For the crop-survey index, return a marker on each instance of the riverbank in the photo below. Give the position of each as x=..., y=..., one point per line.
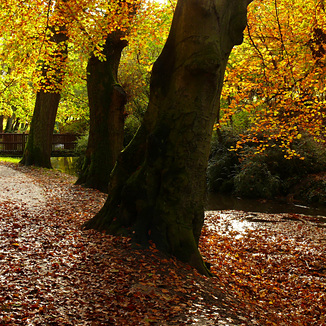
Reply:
x=269, y=268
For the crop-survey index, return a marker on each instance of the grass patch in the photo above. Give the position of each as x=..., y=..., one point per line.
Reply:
x=15, y=160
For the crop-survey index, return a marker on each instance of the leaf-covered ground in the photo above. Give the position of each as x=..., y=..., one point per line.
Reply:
x=270, y=269
x=275, y=264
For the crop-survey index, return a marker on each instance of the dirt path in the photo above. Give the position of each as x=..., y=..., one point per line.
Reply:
x=19, y=188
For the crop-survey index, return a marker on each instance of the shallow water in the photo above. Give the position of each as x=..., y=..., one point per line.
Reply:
x=218, y=202
x=64, y=164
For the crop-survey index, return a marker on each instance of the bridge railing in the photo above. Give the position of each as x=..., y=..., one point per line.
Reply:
x=14, y=144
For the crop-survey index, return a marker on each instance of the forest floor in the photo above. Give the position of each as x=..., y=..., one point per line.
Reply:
x=269, y=269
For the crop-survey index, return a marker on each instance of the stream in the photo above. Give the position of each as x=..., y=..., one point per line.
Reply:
x=218, y=202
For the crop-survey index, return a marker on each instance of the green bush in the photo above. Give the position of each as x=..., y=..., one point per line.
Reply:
x=223, y=165
x=267, y=174
x=132, y=124
x=312, y=189
x=256, y=181
x=314, y=154
x=80, y=151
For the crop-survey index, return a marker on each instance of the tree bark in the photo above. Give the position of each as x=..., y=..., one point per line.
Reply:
x=106, y=103
x=158, y=188
x=10, y=121
x=39, y=143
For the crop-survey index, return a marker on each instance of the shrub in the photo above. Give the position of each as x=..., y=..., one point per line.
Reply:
x=223, y=164
x=80, y=151
x=312, y=189
x=132, y=124
x=256, y=181
x=267, y=174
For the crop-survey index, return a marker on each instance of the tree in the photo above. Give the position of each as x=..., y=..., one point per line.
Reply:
x=39, y=144
x=24, y=45
x=277, y=78
x=106, y=101
x=158, y=187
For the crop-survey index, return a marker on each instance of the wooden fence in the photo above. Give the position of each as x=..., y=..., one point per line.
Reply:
x=14, y=144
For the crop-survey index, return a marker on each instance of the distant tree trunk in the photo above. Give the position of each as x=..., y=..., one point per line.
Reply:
x=10, y=121
x=16, y=125
x=106, y=102
x=39, y=143
x=1, y=123
x=158, y=188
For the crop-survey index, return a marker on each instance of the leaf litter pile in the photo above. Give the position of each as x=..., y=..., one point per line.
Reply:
x=268, y=269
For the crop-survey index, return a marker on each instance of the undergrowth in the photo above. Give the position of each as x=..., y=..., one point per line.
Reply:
x=268, y=174
x=15, y=160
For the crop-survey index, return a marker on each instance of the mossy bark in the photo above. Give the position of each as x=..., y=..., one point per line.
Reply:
x=158, y=187
x=39, y=143
x=106, y=102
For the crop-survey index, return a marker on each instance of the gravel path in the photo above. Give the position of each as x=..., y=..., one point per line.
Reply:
x=17, y=187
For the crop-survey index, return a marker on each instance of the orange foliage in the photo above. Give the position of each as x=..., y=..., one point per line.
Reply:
x=27, y=32
x=277, y=77
x=146, y=41
x=26, y=37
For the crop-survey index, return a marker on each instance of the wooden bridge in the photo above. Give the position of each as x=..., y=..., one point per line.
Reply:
x=13, y=145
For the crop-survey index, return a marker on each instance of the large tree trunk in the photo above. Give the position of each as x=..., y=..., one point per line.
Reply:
x=158, y=188
x=39, y=143
x=106, y=103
